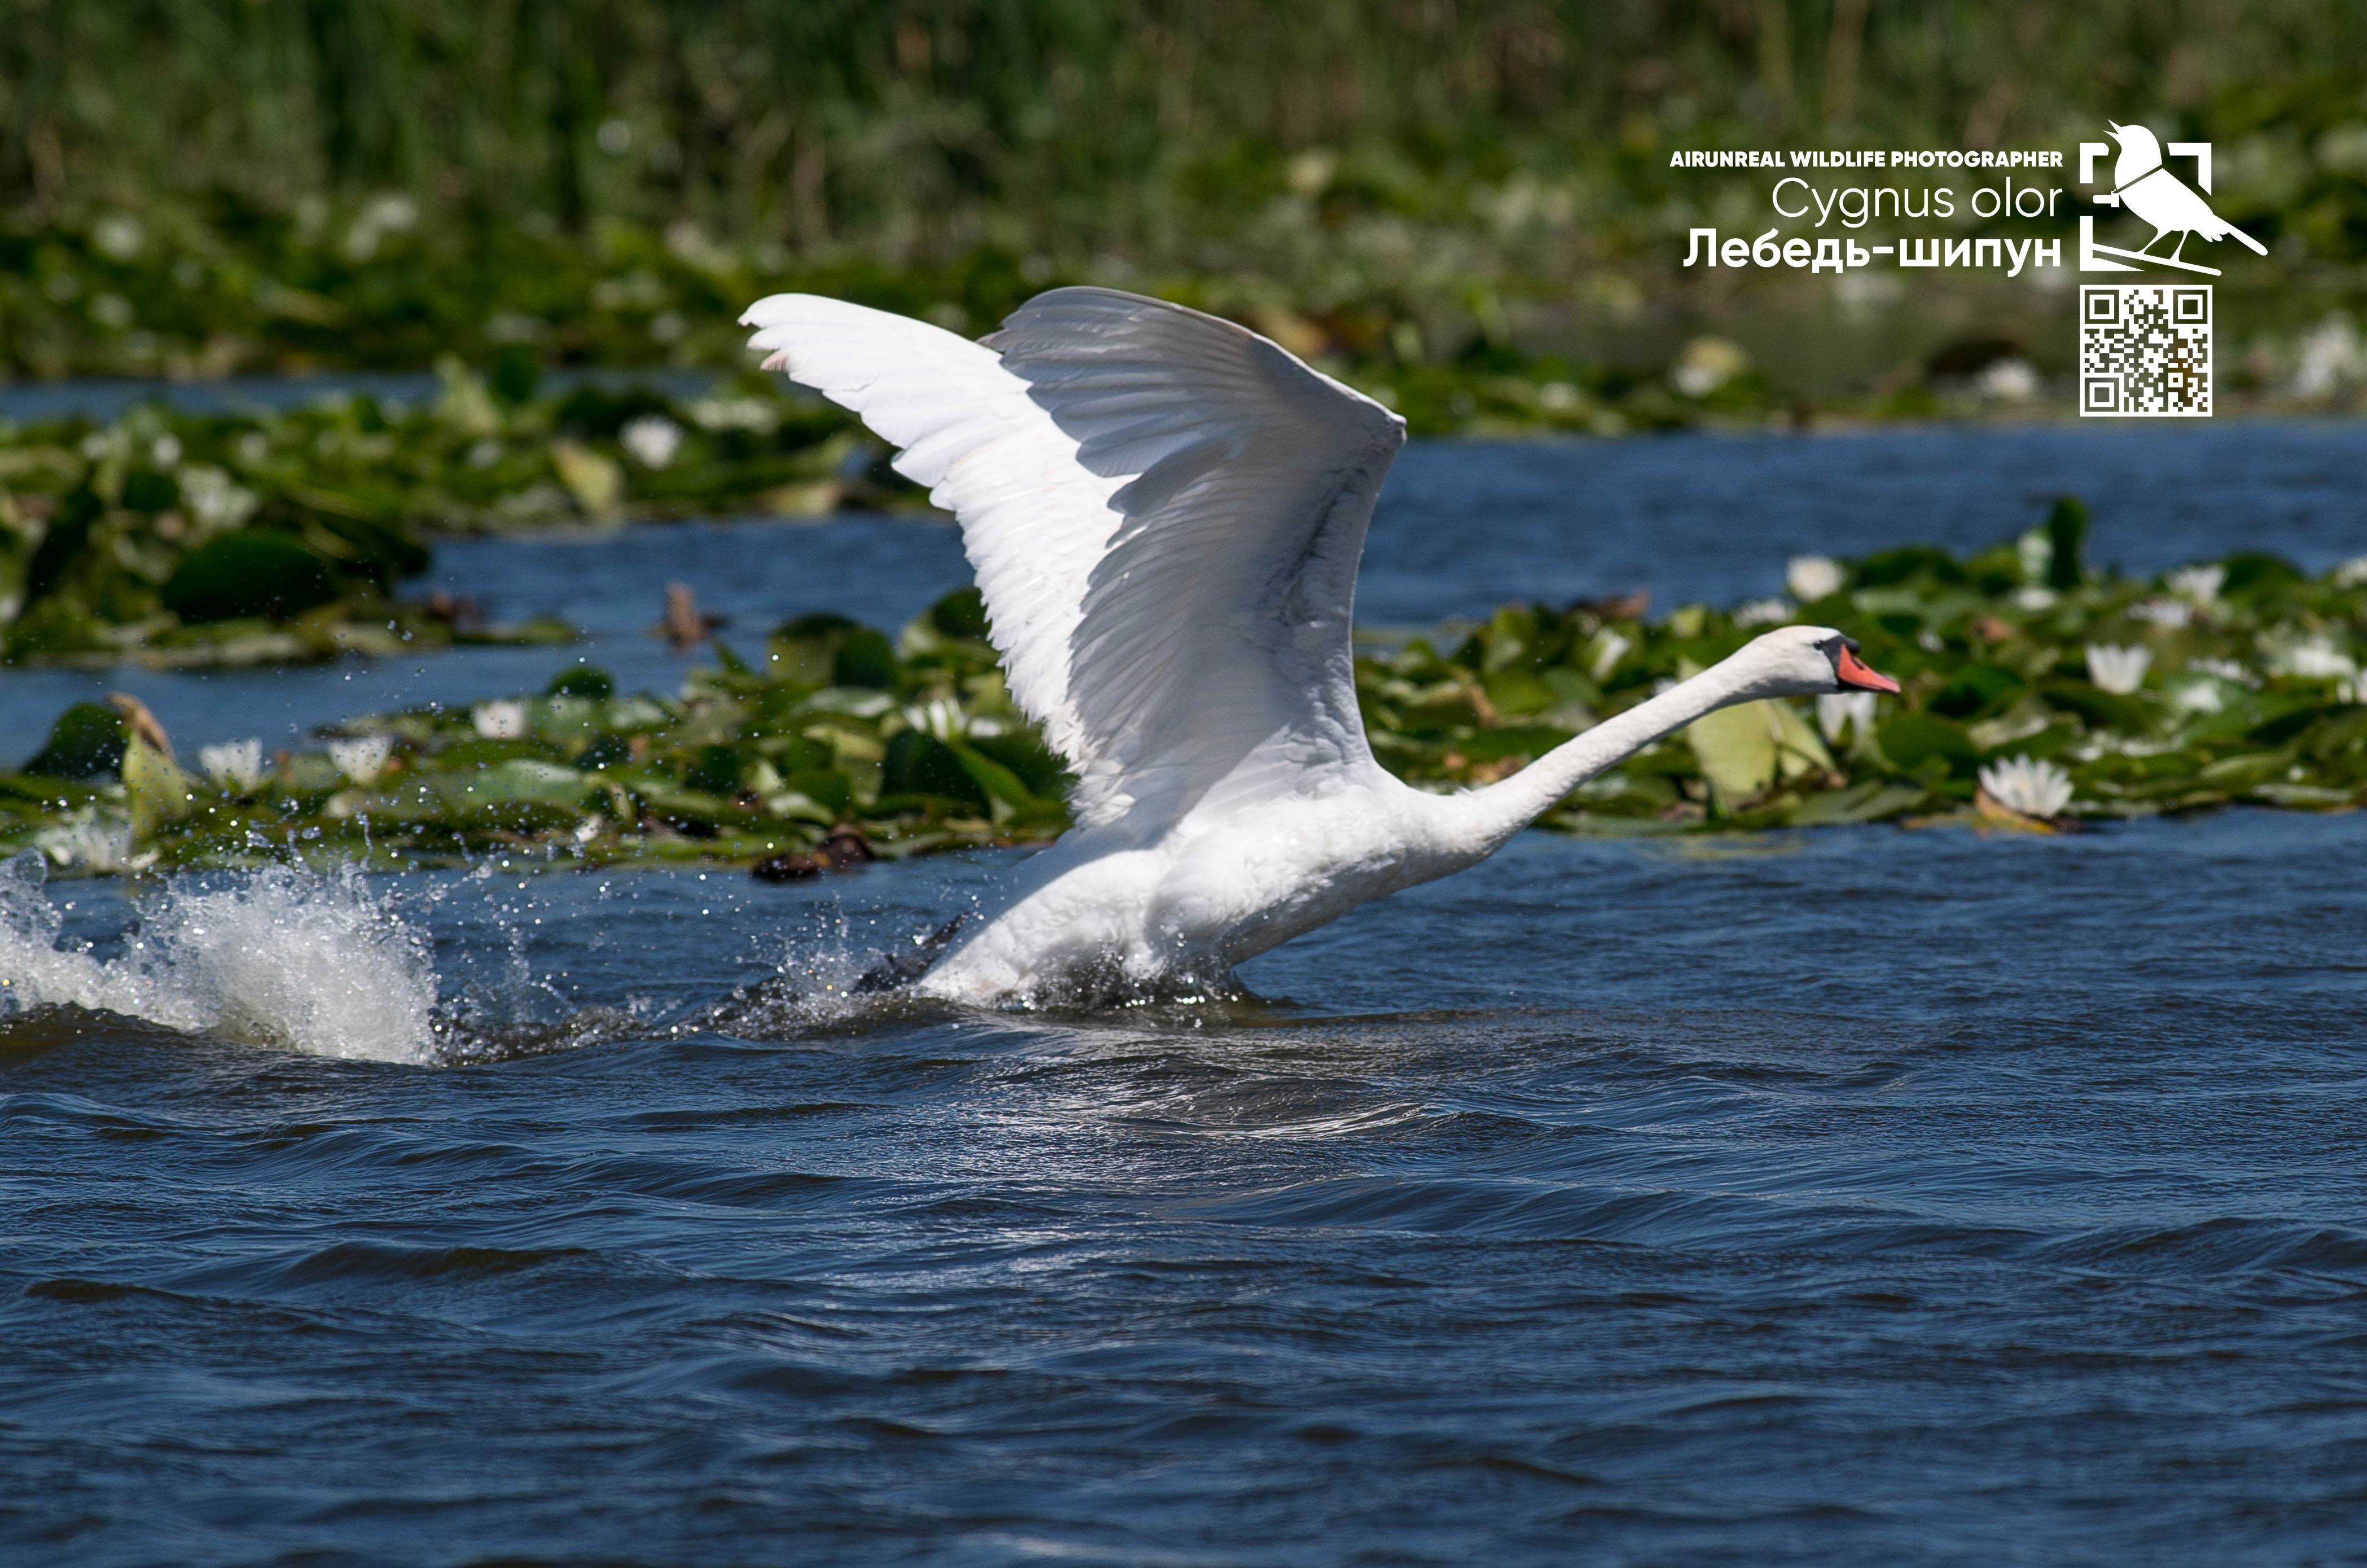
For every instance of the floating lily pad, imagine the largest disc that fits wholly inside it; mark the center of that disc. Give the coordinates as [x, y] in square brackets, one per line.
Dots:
[919, 764]
[86, 742]
[1870, 800]
[1912, 741]
[254, 572]
[1736, 750]
[1977, 689]
[584, 681]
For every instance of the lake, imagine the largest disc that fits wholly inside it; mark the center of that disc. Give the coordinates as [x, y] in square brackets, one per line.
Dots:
[1864, 1196]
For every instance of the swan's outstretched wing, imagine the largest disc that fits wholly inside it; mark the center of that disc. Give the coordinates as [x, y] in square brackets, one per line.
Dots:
[1165, 511]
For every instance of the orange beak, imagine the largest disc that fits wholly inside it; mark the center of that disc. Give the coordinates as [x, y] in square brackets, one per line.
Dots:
[1854, 671]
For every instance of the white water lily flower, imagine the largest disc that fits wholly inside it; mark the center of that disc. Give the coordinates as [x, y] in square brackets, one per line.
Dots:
[2223, 669]
[1762, 612]
[212, 499]
[2118, 670]
[2197, 696]
[2007, 380]
[2317, 659]
[236, 765]
[383, 215]
[2331, 355]
[2034, 599]
[2109, 744]
[1853, 711]
[941, 717]
[2351, 572]
[735, 414]
[1813, 577]
[1706, 364]
[504, 721]
[1608, 649]
[2171, 613]
[361, 757]
[652, 439]
[2200, 583]
[393, 211]
[2033, 788]
[88, 842]
[118, 236]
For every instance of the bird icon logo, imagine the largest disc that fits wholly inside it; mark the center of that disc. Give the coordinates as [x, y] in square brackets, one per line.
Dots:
[2144, 185]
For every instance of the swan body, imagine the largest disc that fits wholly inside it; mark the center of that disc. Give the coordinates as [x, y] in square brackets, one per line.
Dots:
[1165, 512]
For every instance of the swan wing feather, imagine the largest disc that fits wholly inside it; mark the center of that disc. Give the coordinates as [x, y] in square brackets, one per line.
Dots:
[1165, 512]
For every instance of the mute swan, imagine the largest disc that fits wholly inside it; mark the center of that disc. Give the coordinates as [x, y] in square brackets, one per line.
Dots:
[1165, 512]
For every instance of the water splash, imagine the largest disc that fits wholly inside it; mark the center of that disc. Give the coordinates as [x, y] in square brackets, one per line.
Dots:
[828, 977]
[281, 956]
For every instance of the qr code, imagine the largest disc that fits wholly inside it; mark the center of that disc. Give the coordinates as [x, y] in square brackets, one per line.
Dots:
[2144, 350]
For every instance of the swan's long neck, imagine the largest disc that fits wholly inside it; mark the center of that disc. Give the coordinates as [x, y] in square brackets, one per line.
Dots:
[1485, 818]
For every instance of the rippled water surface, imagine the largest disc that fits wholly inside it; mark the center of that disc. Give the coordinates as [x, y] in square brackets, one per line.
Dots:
[1867, 1196]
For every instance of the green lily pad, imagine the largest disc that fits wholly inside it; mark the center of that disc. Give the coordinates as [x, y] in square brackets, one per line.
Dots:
[1000, 783]
[1516, 693]
[87, 741]
[1735, 748]
[919, 764]
[1975, 690]
[1873, 799]
[1529, 741]
[254, 572]
[807, 651]
[1912, 739]
[718, 769]
[158, 790]
[2104, 709]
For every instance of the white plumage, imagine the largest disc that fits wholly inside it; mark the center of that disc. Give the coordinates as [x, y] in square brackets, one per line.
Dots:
[1165, 512]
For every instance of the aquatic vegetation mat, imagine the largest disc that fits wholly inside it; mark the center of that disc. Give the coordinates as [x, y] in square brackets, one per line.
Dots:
[2037, 694]
[178, 539]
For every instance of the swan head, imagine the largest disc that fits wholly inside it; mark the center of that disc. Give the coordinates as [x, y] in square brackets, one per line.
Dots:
[1811, 660]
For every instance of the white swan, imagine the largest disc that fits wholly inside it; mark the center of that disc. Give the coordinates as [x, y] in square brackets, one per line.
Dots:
[1165, 512]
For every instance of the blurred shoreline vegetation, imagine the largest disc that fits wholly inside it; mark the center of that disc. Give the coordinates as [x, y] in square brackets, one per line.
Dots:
[1467, 210]
[2035, 693]
[1466, 206]
[183, 539]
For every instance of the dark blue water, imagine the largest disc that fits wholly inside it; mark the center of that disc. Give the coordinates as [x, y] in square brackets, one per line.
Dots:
[1861, 1197]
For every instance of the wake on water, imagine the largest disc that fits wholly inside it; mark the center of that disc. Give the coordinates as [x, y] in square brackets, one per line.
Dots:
[326, 962]
[322, 962]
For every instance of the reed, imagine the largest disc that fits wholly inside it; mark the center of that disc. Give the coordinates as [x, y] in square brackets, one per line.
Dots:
[925, 129]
